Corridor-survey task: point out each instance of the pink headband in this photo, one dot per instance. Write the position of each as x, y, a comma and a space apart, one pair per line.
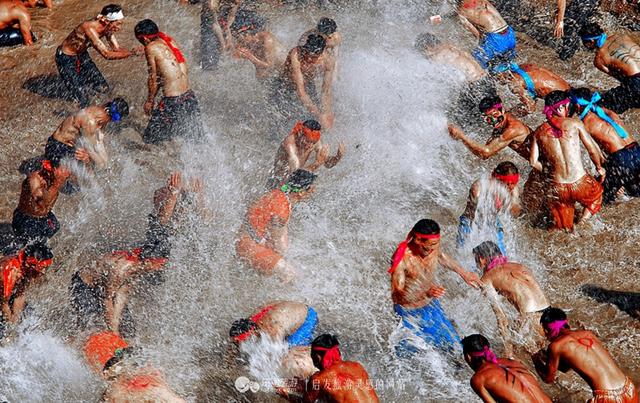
496, 106
496, 261
487, 354
555, 327
550, 109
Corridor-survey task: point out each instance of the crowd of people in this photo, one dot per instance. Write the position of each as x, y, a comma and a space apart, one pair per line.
576, 118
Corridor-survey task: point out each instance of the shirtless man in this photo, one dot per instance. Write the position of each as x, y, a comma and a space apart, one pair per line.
77, 70
216, 18
530, 82
337, 380
577, 14
295, 89
80, 135
178, 113
102, 290
327, 28
487, 199
486, 24
112, 357
15, 24
254, 43
618, 56
478, 83
289, 321
297, 147
18, 272
558, 141
499, 379
414, 293
264, 236
514, 282
623, 153
33, 219
581, 351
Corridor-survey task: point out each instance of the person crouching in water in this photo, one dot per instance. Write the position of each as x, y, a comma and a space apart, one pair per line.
499, 379
284, 321
336, 380
18, 272
112, 357
514, 282
12, 13
33, 219
487, 199
102, 291
264, 236
583, 352
178, 113
254, 43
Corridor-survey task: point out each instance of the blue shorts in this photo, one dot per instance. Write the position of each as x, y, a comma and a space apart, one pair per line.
430, 324
464, 229
303, 336
496, 45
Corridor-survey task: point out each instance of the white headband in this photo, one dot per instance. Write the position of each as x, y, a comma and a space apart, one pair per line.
115, 16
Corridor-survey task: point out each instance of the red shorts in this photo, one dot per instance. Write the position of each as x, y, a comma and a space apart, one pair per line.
563, 197
257, 255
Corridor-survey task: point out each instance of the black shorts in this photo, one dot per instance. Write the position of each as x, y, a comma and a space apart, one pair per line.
623, 97
80, 75
175, 117
28, 229
12, 36
623, 170
157, 243
285, 99
56, 151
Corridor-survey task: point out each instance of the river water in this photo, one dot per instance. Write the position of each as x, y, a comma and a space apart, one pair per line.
400, 166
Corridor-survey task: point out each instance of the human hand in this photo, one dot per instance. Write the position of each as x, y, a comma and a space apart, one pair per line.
454, 132
175, 182
340, 152
138, 51
558, 32
83, 155
471, 278
196, 185
148, 107
323, 154
602, 172
436, 291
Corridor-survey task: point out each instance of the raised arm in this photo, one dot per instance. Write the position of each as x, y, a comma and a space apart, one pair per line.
559, 30
166, 198
93, 142
501, 318
333, 160
465, 22
486, 151
327, 84
469, 277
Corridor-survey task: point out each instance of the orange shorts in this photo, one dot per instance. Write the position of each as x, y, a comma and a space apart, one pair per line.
563, 197
257, 255
626, 394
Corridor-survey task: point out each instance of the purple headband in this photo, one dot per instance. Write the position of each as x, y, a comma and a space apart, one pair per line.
496, 261
548, 110
487, 354
555, 327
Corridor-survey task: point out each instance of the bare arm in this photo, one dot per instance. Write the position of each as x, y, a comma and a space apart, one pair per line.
592, 148
559, 30
483, 151
25, 26
298, 80
501, 318
333, 160
93, 139
534, 157
450, 264
292, 154
152, 81
327, 84
548, 370
113, 42
599, 63
13, 311
465, 22
102, 48
398, 283
115, 304
166, 198
322, 151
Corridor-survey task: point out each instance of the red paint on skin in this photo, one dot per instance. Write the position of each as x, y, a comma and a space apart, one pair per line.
587, 342
470, 4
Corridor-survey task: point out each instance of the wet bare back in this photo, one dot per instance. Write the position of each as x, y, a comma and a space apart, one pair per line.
283, 319
544, 81
482, 15
564, 153
37, 198
344, 382
604, 134
619, 57
11, 12
507, 381
172, 76
516, 283
452, 56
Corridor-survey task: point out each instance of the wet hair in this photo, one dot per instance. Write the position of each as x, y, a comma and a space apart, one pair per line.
590, 29
487, 250
584, 93
39, 250
301, 179
487, 103
506, 168
248, 21
425, 41
315, 44
146, 27
327, 26
325, 341
111, 8
241, 326
551, 315
34, 164
474, 344
312, 124
554, 97
121, 106
426, 227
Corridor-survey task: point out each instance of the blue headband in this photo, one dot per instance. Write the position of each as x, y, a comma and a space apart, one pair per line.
113, 112
590, 106
600, 39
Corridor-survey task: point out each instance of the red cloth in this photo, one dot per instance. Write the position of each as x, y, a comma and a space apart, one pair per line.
169, 41
331, 356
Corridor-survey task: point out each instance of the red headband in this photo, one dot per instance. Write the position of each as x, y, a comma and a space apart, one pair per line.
511, 179
47, 166
402, 248
312, 135
331, 355
244, 336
